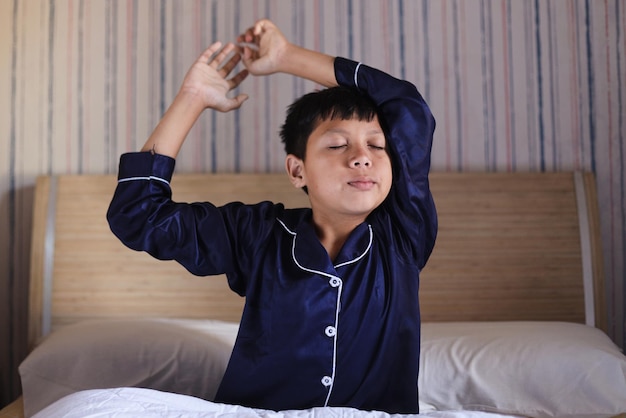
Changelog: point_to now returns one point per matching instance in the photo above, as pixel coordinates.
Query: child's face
(347, 170)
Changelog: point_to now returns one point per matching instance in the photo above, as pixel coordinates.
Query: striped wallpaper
(524, 85)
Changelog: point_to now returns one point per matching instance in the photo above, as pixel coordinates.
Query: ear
(295, 170)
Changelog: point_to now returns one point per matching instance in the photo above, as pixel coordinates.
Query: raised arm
(205, 87)
(410, 127)
(407, 117)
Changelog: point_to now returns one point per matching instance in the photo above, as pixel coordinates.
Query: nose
(360, 159)
(359, 163)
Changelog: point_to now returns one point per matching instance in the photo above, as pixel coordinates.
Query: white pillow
(535, 369)
(187, 357)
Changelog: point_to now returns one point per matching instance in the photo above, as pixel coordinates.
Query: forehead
(348, 126)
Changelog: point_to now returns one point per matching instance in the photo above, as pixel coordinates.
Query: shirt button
(327, 381)
(335, 282)
(330, 331)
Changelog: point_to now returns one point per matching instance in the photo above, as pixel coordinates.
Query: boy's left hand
(271, 48)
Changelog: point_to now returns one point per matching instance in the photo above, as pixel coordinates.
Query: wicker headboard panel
(510, 247)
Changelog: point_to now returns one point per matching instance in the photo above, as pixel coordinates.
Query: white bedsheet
(147, 403)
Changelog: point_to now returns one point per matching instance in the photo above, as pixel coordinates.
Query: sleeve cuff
(146, 164)
(346, 72)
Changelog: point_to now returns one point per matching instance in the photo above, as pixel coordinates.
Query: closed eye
(377, 147)
(337, 146)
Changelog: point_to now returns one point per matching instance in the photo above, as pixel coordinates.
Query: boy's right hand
(207, 80)
(206, 85)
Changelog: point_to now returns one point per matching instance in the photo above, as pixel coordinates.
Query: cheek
(316, 175)
(385, 164)
(388, 175)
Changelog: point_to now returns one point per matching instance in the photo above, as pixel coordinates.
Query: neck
(333, 233)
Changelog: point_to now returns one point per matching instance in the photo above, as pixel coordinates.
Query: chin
(361, 210)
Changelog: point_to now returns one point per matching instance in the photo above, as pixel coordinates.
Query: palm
(211, 85)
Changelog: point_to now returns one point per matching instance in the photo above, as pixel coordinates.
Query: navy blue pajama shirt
(313, 332)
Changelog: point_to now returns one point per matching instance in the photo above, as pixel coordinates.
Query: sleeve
(409, 126)
(204, 238)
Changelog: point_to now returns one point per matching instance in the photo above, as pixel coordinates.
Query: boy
(332, 313)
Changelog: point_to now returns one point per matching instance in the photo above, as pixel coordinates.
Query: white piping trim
(144, 178)
(295, 260)
(585, 248)
(369, 245)
(337, 304)
(356, 72)
(285, 226)
(293, 256)
(337, 309)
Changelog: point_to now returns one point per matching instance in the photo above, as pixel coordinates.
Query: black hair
(307, 112)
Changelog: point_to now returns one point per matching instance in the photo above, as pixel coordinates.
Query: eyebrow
(343, 131)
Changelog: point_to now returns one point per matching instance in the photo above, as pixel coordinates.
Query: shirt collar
(309, 254)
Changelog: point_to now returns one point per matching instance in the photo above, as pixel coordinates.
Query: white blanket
(148, 403)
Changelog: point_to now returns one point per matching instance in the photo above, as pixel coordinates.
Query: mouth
(362, 184)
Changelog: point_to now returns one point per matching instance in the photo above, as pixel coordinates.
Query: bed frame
(510, 247)
(522, 246)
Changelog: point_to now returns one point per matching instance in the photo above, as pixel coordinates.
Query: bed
(512, 300)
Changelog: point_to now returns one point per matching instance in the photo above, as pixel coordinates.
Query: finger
(228, 62)
(249, 51)
(231, 104)
(210, 52)
(261, 26)
(236, 80)
(221, 58)
(228, 65)
(249, 45)
(247, 36)
(239, 99)
(246, 58)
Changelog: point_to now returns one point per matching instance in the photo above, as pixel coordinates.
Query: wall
(528, 85)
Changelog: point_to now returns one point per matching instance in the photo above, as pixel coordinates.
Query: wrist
(171, 131)
(312, 65)
(189, 100)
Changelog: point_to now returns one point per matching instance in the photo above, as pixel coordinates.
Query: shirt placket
(331, 332)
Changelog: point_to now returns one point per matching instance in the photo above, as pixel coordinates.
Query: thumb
(234, 103)
(239, 99)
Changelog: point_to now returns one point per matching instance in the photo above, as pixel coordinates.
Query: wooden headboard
(521, 246)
